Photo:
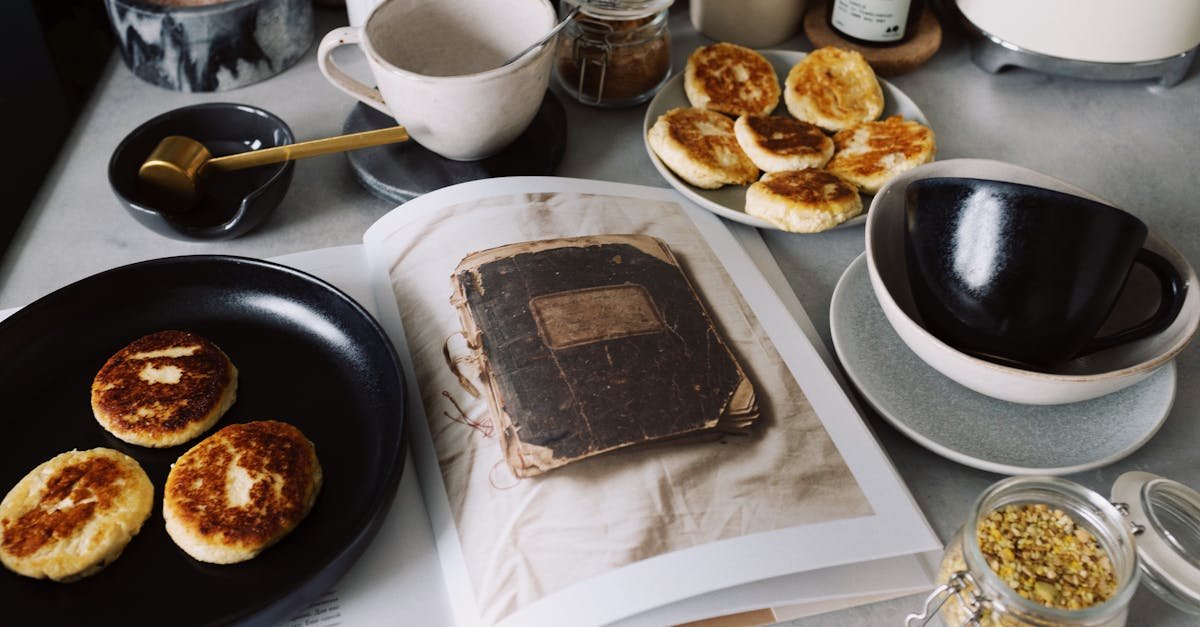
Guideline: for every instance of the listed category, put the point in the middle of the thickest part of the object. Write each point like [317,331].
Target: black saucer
[401,172]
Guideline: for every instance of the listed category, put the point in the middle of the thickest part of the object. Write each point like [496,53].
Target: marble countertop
[1132,143]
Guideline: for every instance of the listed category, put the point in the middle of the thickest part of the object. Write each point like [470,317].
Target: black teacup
[1023,275]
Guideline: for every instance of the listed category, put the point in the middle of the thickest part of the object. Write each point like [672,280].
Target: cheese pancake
[834,89]
[870,154]
[74,514]
[164,389]
[240,490]
[778,142]
[731,79]
[803,201]
[700,147]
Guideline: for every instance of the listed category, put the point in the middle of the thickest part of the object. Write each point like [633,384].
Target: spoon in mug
[176,168]
[553,31]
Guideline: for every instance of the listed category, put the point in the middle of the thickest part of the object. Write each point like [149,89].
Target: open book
[801,514]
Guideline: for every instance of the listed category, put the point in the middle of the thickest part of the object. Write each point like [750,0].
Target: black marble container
[213,47]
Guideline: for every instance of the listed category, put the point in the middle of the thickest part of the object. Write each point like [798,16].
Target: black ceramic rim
[139,129]
[966,181]
[163,221]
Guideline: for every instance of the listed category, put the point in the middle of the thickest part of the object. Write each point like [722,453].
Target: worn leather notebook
[592,344]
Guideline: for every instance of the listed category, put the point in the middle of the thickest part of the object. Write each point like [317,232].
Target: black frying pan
[306,353]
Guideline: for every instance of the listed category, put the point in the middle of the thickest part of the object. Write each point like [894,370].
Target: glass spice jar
[1164,516]
[614,53]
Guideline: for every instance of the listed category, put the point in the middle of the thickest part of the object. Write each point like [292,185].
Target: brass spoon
[177,166]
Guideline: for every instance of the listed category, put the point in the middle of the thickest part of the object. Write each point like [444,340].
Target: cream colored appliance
[1100,39]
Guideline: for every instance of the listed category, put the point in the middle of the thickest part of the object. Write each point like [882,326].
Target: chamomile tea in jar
[614,53]
[1037,551]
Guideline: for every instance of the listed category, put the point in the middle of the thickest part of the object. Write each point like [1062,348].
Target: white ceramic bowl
[1080,379]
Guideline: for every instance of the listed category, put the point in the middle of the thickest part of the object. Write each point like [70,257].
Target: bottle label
[871,20]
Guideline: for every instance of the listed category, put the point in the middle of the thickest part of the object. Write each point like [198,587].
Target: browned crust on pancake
[736,80]
[810,187]
[803,201]
[833,88]
[786,135]
[73,514]
[888,143]
[93,484]
[700,147]
[687,128]
[157,413]
[279,459]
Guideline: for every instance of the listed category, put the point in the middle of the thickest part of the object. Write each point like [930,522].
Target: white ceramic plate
[729,201]
[977,430]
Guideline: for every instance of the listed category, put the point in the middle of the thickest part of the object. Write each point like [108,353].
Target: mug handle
[336,38]
[1174,289]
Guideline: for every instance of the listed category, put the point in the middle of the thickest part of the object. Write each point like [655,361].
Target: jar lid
[1166,519]
[620,9]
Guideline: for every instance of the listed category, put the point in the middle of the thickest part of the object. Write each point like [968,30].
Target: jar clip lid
[621,9]
[1165,515]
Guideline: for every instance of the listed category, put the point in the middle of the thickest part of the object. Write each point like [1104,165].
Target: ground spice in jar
[614,62]
[1044,555]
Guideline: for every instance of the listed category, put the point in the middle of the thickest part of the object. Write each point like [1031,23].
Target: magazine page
[798,595]
[398,578]
[398,581]
[625,532]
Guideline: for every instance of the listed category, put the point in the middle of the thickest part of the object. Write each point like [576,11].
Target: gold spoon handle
[312,148]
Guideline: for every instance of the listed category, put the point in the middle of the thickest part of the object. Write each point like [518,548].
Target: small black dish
[229,205]
[401,172]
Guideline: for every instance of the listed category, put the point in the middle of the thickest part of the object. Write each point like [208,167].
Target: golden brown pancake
[872,153]
[834,89]
[731,79]
[240,490]
[74,514]
[803,201]
[776,143]
[700,146]
[164,389]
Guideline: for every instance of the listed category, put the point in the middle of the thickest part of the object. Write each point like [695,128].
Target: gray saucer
[977,430]
[401,172]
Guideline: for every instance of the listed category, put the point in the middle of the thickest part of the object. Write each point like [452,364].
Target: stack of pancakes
[812,180]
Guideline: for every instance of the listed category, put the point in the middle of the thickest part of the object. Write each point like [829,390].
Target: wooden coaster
[886,60]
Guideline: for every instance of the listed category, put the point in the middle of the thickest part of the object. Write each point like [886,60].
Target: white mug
[750,23]
[439,69]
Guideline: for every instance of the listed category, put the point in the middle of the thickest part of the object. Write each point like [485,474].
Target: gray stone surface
[1136,145]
